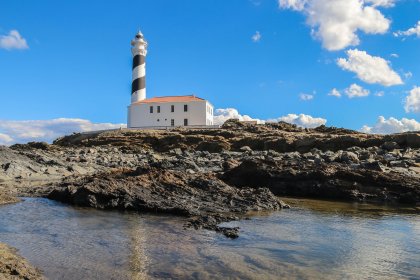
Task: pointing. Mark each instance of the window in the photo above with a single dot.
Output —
(185, 122)
(158, 109)
(172, 108)
(185, 108)
(151, 109)
(172, 122)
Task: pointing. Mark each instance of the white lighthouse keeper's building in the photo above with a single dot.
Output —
(165, 111)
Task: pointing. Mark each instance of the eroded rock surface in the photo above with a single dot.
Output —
(202, 197)
(14, 267)
(6, 199)
(326, 180)
(210, 173)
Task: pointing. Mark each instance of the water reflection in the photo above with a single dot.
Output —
(139, 260)
(315, 239)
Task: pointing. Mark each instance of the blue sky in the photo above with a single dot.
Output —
(71, 59)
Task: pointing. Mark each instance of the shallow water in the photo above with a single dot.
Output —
(313, 240)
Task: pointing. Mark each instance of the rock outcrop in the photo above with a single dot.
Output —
(325, 180)
(14, 267)
(202, 197)
(214, 175)
(280, 137)
(6, 199)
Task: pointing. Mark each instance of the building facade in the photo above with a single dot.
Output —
(165, 111)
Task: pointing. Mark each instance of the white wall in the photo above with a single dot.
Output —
(199, 113)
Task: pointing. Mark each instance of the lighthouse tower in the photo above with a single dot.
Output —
(139, 51)
(161, 111)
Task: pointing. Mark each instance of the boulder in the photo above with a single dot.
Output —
(390, 145)
(349, 157)
(245, 149)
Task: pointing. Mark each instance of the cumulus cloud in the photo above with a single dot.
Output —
(356, 91)
(301, 120)
(392, 125)
(222, 115)
(5, 139)
(409, 32)
(370, 69)
(337, 22)
(412, 101)
(335, 92)
(382, 3)
(256, 37)
(306, 97)
(13, 40)
(47, 130)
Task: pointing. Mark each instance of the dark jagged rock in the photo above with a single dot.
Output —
(182, 170)
(205, 198)
(35, 145)
(332, 181)
(334, 130)
(14, 267)
(212, 223)
(233, 135)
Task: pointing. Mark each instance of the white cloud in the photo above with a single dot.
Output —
(409, 32)
(337, 22)
(356, 91)
(47, 130)
(392, 125)
(380, 93)
(297, 5)
(335, 92)
(256, 37)
(394, 55)
(301, 120)
(412, 101)
(5, 139)
(306, 97)
(13, 41)
(222, 115)
(370, 69)
(382, 3)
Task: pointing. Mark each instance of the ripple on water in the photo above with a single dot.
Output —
(315, 239)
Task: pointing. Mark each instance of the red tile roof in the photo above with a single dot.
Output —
(182, 98)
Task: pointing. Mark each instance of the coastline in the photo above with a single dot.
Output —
(214, 176)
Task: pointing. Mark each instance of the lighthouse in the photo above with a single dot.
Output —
(138, 83)
(161, 111)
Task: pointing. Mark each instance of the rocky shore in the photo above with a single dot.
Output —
(14, 267)
(6, 199)
(203, 198)
(215, 175)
